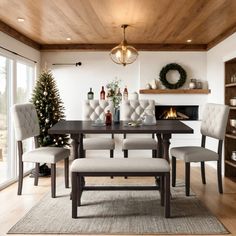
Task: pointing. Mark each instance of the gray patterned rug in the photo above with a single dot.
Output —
(119, 212)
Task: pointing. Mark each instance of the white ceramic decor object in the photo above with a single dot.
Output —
(154, 84)
(133, 96)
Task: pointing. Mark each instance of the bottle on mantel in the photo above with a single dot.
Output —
(125, 94)
(90, 94)
(102, 94)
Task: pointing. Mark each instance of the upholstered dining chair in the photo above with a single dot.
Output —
(133, 110)
(26, 126)
(213, 125)
(93, 110)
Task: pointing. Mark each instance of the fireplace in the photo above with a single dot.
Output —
(176, 112)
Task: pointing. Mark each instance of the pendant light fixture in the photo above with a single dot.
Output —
(124, 54)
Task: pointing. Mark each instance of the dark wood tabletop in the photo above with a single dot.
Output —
(86, 127)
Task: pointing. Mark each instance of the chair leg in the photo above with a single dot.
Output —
(79, 184)
(203, 172)
(111, 156)
(111, 153)
(125, 153)
(53, 180)
(125, 156)
(154, 153)
(20, 178)
(74, 194)
(36, 175)
(219, 177)
(187, 178)
(173, 165)
(162, 189)
(167, 195)
(66, 170)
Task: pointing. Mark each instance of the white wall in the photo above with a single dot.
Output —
(96, 71)
(20, 48)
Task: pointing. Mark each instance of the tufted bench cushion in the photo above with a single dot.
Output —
(98, 144)
(120, 165)
(139, 143)
(46, 155)
(139, 167)
(194, 154)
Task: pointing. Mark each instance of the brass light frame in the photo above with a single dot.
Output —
(124, 54)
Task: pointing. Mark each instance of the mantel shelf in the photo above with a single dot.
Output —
(174, 91)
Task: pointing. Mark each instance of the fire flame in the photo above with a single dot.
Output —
(171, 114)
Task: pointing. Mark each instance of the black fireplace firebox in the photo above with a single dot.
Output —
(176, 112)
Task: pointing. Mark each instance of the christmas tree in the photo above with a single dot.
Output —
(50, 110)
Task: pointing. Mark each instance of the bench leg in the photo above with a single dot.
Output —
(74, 194)
(125, 156)
(162, 189)
(167, 195)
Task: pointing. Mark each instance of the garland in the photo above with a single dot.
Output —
(166, 69)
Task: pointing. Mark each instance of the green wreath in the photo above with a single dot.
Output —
(166, 69)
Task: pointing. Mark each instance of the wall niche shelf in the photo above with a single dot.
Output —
(230, 138)
(174, 91)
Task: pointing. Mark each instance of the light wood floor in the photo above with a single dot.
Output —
(13, 207)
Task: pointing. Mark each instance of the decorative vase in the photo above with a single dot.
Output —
(148, 86)
(193, 84)
(117, 115)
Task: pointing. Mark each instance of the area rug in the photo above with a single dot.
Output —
(119, 212)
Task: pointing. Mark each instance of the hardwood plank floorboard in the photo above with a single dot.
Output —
(14, 207)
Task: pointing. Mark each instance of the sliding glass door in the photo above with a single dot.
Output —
(16, 84)
(6, 165)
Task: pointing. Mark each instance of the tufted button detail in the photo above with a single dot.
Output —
(214, 120)
(25, 120)
(96, 109)
(134, 109)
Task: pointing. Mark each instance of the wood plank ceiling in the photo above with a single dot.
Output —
(95, 24)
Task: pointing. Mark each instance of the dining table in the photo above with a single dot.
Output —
(163, 129)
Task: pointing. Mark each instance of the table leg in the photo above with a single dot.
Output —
(75, 146)
(159, 146)
(166, 144)
(81, 146)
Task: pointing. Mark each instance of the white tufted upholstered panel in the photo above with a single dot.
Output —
(96, 109)
(25, 120)
(132, 110)
(214, 120)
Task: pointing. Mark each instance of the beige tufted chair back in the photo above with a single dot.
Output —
(96, 109)
(214, 120)
(132, 110)
(25, 120)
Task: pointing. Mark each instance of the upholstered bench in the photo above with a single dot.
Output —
(139, 167)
